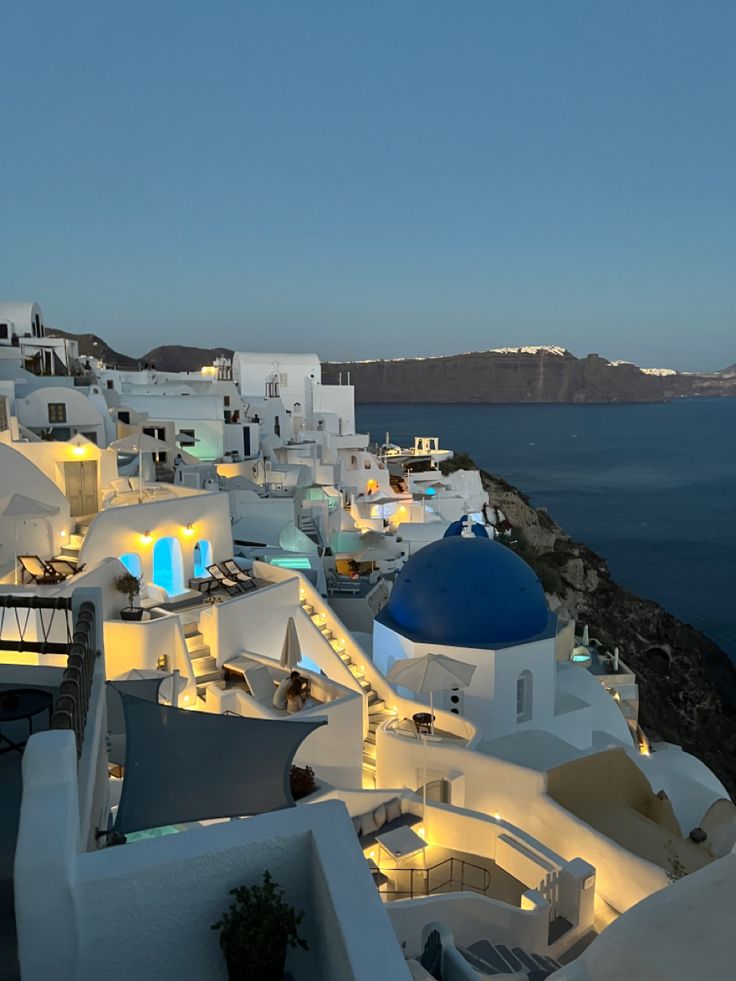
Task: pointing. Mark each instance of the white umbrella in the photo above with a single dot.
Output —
(291, 651)
(140, 443)
(17, 507)
(164, 692)
(430, 673)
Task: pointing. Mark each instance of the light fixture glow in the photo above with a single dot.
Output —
(146, 537)
(62, 533)
(78, 450)
(189, 529)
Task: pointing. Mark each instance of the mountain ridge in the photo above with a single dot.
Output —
(532, 373)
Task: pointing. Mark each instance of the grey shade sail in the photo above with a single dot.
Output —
(146, 688)
(183, 766)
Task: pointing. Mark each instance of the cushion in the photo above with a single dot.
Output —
(120, 486)
(369, 824)
(393, 809)
(357, 821)
(379, 816)
(260, 683)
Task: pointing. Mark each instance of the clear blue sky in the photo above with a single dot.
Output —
(375, 178)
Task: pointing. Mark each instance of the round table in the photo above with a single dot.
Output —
(17, 704)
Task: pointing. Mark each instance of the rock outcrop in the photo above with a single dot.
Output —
(687, 683)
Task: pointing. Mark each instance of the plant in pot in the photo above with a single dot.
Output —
(256, 931)
(129, 585)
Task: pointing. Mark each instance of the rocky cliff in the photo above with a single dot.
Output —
(687, 683)
(539, 374)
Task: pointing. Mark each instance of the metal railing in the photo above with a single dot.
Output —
(420, 881)
(72, 703)
(17, 624)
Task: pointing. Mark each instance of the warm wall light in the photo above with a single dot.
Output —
(78, 451)
(189, 529)
(62, 533)
(146, 537)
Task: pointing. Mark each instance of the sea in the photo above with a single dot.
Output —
(650, 487)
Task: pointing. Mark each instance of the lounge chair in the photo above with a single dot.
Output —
(37, 570)
(229, 585)
(65, 567)
(231, 568)
(341, 584)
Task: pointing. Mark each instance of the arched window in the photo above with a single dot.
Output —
(168, 565)
(202, 558)
(524, 697)
(132, 562)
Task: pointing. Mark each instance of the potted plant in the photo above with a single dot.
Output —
(256, 931)
(129, 585)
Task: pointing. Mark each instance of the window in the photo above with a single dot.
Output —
(124, 416)
(110, 383)
(283, 379)
(57, 412)
(227, 399)
(3, 332)
(524, 697)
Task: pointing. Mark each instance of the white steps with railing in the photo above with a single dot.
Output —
(377, 712)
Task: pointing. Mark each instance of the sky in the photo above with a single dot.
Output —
(383, 179)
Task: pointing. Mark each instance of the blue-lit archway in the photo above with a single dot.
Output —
(202, 558)
(168, 565)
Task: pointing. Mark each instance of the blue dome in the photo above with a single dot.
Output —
(467, 592)
(456, 528)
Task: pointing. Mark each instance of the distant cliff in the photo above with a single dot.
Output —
(538, 374)
(687, 684)
(531, 374)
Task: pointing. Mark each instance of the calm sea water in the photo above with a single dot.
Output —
(650, 487)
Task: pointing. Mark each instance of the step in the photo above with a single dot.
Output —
(345, 658)
(369, 751)
(76, 541)
(370, 739)
(356, 671)
(191, 628)
(194, 640)
(205, 664)
(83, 528)
(369, 763)
(69, 552)
(376, 705)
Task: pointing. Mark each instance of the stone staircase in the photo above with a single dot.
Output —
(377, 710)
(308, 526)
(71, 547)
(204, 665)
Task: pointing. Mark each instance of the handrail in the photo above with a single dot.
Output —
(72, 703)
(426, 873)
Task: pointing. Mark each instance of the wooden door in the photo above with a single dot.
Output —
(81, 487)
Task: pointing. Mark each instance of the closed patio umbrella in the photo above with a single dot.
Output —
(18, 507)
(431, 673)
(291, 649)
(140, 443)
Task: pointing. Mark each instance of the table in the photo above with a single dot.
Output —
(423, 722)
(18, 704)
(401, 842)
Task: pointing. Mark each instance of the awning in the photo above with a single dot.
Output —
(183, 766)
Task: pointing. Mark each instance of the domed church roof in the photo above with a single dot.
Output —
(468, 592)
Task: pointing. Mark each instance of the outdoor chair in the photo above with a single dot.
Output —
(38, 571)
(229, 585)
(231, 568)
(65, 567)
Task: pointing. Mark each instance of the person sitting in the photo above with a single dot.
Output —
(297, 695)
(282, 692)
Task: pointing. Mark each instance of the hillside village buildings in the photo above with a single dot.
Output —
(475, 795)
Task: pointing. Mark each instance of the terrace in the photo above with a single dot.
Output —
(35, 698)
